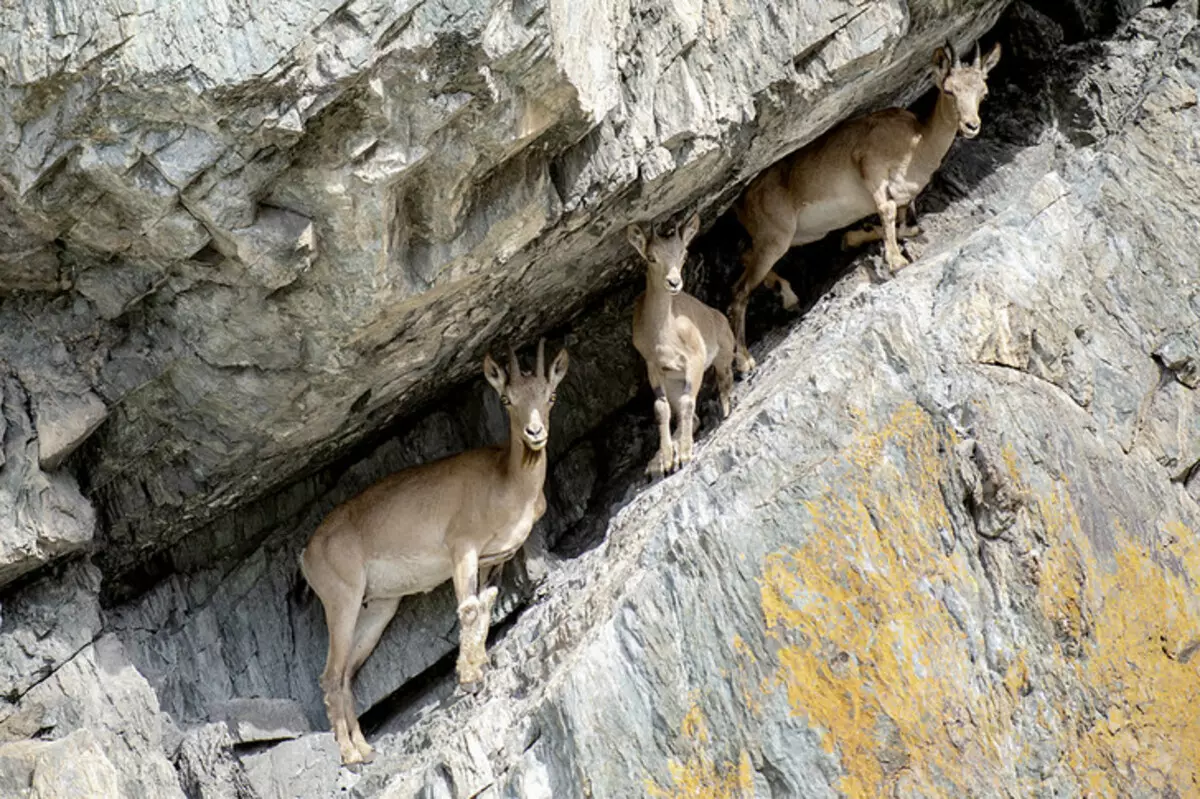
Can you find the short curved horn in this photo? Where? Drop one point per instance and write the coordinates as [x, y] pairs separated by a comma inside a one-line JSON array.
[[951, 52], [514, 366], [978, 55], [541, 361]]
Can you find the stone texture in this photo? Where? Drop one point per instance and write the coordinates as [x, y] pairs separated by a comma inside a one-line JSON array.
[[42, 515], [292, 205], [98, 693], [936, 550], [946, 545]]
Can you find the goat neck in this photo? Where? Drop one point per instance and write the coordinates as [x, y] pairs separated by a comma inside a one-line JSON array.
[[938, 131], [658, 305]]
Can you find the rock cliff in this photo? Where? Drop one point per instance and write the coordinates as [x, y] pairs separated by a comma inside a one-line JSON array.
[[945, 545]]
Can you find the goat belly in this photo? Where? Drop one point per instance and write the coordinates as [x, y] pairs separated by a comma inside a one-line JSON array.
[[406, 574], [822, 216]]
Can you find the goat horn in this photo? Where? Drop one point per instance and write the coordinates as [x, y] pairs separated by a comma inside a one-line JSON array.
[[541, 361], [978, 55], [950, 52], [514, 366]]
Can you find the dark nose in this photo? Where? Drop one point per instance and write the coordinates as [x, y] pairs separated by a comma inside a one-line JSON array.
[[674, 283], [534, 432], [971, 127]]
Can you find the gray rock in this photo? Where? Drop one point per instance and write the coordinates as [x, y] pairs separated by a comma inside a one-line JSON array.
[[398, 186], [42, 516], [47, 624], [97, 692], [297, 768], [945, 544], [258, 719], [72, 766]]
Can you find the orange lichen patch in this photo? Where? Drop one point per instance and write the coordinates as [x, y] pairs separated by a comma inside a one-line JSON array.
[[1142, 616], [748, 684], [867, 653], [1151, 736], [700, 777]]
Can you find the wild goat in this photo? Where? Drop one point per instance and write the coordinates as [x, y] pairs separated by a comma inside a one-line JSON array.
[[679, 337], [453, 518], [877, 163]]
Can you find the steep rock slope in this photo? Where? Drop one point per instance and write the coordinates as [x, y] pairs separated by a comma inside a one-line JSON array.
[[946, 544], [252, 236]]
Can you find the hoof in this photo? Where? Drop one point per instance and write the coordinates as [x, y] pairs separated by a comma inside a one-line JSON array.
[[352, 757], [661, 464], [367, 755], [789, 299]]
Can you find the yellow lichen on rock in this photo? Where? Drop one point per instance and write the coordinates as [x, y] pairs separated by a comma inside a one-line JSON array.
[[1139, 659], [867, 652], [700, 777]]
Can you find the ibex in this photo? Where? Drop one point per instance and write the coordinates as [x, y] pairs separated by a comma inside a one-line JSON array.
[[877, 163], [454, 518], [679, 337]]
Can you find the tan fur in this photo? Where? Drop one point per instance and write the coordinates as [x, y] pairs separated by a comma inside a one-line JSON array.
[[679, 337], [873, 164], [454, 518]]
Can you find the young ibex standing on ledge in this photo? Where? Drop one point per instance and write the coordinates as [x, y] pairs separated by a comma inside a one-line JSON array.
[[679, 337], [878, 163], [407, 534]]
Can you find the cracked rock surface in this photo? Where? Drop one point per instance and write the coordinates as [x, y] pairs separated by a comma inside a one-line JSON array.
[[947, 544], [259, 233]]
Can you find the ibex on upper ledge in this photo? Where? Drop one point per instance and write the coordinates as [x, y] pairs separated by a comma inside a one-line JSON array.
[[453, 518], [679, 337], [877, 163]]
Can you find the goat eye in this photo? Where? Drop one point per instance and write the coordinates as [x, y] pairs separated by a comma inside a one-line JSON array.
[[504, 400], [553, 397]]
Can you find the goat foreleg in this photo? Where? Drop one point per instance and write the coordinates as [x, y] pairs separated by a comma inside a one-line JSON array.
[[663, 461], [472, 619]]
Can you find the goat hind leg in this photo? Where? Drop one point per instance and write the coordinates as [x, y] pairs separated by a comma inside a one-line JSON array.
[[788, 297], [758, 262], [340, 616], [372, 621]]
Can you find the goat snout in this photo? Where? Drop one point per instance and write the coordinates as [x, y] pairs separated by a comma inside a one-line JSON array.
[[970, 128], [674, 284], [535, 432]]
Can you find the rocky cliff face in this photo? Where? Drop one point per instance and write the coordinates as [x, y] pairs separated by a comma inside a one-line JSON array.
[[947, 543]]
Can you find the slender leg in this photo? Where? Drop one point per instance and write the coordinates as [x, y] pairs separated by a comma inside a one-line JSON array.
[[472, 626], [664, 460], [372, 621], [853, 239], [788, 297], [687, 411], [887, 215], [340, 616], [757, 262], [723, 365]]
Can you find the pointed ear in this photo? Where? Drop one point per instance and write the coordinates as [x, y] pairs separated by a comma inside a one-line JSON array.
[[637, 237], [494, 373], [993, 58], [942, 62], [690, 229], [558, 369]]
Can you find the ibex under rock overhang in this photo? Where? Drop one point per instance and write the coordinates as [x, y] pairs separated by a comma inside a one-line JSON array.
[[877, 163], [454, 518]]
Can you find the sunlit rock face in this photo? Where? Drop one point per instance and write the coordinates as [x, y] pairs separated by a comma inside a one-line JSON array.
[[946, 544], [255, 236]]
